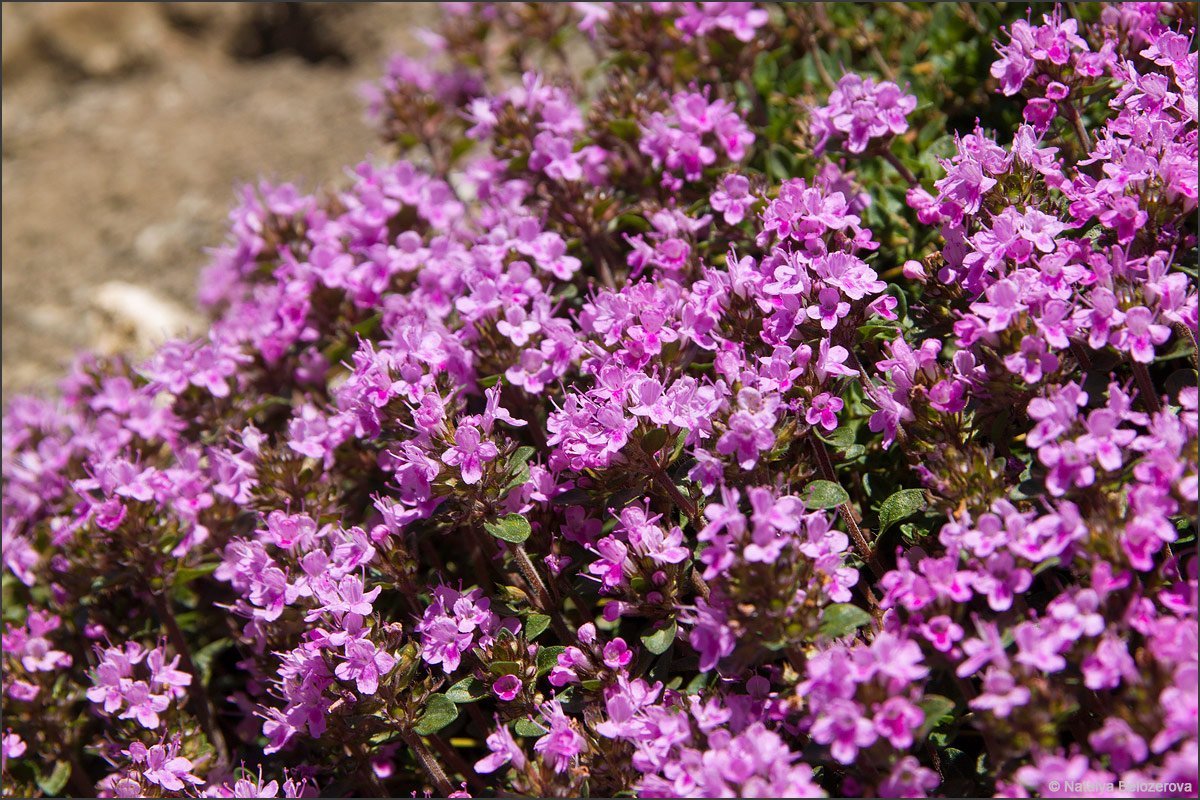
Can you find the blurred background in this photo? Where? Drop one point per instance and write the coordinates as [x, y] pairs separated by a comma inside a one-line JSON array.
[[126, 130]]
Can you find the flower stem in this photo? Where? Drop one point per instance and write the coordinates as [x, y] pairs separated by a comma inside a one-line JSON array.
[[660, 477], [1190, 335], [1077, 123], [198, 698], [365, 769], [453, 758], [428, 763], [847, 511], [898, 165], [1146, 388], [530, 573]]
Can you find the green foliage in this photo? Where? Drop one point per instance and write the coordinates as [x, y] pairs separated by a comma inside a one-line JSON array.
[[842, 619], [440, 711], [512, 528], [824, 494]]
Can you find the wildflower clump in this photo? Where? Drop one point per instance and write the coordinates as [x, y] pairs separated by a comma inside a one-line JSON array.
[[705, 399]]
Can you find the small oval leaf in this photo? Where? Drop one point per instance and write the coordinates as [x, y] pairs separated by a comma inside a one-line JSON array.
[[535, 625], [440, 711], [504, 668], [654, 439], [824, 494], [936, 708], [547, 658], [513, 528], [468, 690], [842, 619], [527, 727], [56, 781], [901, 505], [659, 641]]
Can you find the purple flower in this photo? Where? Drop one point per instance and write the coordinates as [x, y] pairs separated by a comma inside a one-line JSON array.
[[452, 623], [504, 749], [562, 743], [364, 664], [1039, 647], [749, 429], [1033, 361], [517, 326], [162, 765], [143, 705], [733, 198], [1120, 743], [1108, 665], [555, 156], [1126, 217], [507, 687], [861, 110], [470, 452], [164, 675], [842, 726], [617, 654], [829, 308], [896, 719], [942, 632], [909, 779], [12, 745], [1001, 693], [823, 411], [1140, 334], [1001, 580], [682, 140]]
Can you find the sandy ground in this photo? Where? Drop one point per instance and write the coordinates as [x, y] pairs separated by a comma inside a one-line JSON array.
[[127, 128]]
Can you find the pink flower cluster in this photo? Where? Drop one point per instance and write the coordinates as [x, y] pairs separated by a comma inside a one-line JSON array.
[[593, 459], [860, 110]]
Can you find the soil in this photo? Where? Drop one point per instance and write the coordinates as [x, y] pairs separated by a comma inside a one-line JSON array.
[[127, 129]]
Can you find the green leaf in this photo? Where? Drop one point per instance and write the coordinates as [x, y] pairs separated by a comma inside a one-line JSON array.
[[385, 737], [189, 574], [777, 163], [520, 456], [535, 625], [901, 300], [824, 494], [624, 128], [263, 405], [504, 667], [53, 784], [936, 709], [901, 505], [654, 439], [841, 437], [206, 655], [547, 658], [630, 222], [440, 711], [513, 528], [368, 325], [468, 690], [519, 467], [1182, 348], [1049, 563], [699, 683], [660, 641], [841, 619], [527, 727], [680, 441]]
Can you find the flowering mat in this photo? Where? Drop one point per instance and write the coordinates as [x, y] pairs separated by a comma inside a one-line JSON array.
[[713, 400]]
